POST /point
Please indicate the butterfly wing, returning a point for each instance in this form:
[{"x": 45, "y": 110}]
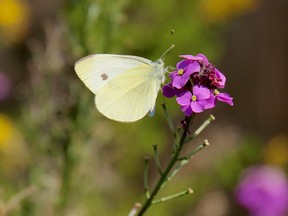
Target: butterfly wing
[
  {"x": 129, "y": 96},
  {"x": 97, "y": 70}
]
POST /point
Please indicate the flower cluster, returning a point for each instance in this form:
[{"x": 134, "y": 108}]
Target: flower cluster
[{"x": 194, "y": 83}]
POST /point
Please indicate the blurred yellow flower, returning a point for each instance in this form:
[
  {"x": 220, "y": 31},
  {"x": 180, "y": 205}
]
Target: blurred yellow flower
[
  {"x": 13, "y": 153},
  {"x": 223, "y": 10},
  {"x": 14, "y": 19},
  {"x": 276, "y": 151},
  {"x": 6, "y": 130}
]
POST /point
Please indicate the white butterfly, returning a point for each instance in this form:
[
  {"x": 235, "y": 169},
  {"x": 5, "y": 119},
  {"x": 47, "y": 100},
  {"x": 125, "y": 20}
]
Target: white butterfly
[{"x": 125, "y": 86}]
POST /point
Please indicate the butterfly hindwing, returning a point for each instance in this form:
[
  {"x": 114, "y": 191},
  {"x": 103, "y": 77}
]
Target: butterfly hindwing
[{"x": 129, "y": 96}]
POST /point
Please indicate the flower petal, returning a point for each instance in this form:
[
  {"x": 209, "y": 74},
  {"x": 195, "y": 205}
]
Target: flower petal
[
  {"x": 189, "y": 57},
  {"x": 202, "y": 59},
  {"x": 173, "y": 74},
  {"x": 197, "y": 107},
  {"x": 211, "y": 102},
  {"x": 220, "y": 75},
  {"x": 182, "y": 64},
  {"x": 226, "y": 98},
  {"x": 201, "y": 92},
  {"x": 193, "y": 67},
  {"x": 184, "y": 99},
  {"x": 187, "y": 110},
  {"x": 168, "y": 91},
  {"x": 178, "y": 82}
]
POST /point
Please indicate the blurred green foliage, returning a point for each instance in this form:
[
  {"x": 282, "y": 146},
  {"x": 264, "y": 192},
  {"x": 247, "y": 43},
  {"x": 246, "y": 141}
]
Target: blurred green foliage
[
  {"x": 141, "y": 27},
  {"x": 84, "y": 164}
]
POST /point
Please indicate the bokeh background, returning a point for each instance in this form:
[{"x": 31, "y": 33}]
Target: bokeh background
[{"x": 59, "y": 156}]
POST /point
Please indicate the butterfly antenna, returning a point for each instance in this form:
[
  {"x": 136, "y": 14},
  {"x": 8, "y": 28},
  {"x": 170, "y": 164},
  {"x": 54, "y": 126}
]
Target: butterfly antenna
[{"x": 168, "y": 50}]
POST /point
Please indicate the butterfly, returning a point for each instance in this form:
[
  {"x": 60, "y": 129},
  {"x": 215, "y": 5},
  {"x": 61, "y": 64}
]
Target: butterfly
[{"x": 125, "y": 86}]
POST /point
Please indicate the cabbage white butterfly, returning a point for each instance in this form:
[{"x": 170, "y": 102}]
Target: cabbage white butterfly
[{"x": 125, "y": 86}]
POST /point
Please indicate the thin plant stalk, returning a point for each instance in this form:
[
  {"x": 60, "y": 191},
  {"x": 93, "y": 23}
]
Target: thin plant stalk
[{"x": 169, "y": 167}]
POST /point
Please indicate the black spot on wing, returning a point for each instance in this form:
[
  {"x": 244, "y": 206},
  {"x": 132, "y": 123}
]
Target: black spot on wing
[{"x": 104, "y": 76}]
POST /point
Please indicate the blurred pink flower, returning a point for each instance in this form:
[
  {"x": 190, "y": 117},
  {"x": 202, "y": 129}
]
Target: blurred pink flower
[{"x": 263, "y": 190}]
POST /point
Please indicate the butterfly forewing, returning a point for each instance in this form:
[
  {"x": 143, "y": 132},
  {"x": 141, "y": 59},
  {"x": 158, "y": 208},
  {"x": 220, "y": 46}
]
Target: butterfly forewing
[{"x": 97, "y": 70}]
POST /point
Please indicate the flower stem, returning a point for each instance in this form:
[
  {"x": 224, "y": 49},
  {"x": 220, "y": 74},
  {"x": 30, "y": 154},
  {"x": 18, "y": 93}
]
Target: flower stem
[
  {"x": 156, "y": 158},
  {"x": 191, "y": 154},
  {"x": 183, "y": 161},
  {"x": 146, "y": 169},
  {"x": 164, "y": 199},
  {"x": 166, "y": 172},
  {"x": 68, "y": 165},
  {"x": 168, "y": 118},
  {"x": 201, "y": 128}
]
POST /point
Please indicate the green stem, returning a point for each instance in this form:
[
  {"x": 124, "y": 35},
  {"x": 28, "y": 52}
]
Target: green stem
[
  {"x": 168, "y": 118},
  {"x": 146, "y": 169},
  {"x": 156, "y": 158},
  {"x": 173, "y": 173},
  {"x": 183, "y": 161},
  {"x": 191, "y": 154},
  {"x": 166, "y": 172},
  {"x": 201, "y": 128},
  {"x": 164, "y": 199},
  {"x": 68, "y": 164}
]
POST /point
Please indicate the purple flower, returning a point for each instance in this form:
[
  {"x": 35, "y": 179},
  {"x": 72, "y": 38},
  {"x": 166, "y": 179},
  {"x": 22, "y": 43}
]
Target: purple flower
[
  {"x": 183, "y": 71},
  {"x": 208, "y": 75},
  {"x": 200, "y": 58},
  {"x": 169, "y": 91},
  {"x": 263, "y": 190},
  {"x": 196, "y": 102},
  {"x": 216, "y": 95},
  {"x": 5, "y": 87},
  {"x": 217, "y": 78},
  {"x": 224, "y": 97}
]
